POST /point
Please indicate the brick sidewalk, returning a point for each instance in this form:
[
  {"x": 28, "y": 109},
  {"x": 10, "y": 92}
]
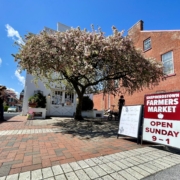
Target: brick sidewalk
[
  {"x": 18, "y": 122},
  {"x": 27, "y": 152}
]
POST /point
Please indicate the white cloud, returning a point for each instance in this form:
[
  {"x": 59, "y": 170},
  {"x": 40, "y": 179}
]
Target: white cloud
[
  {"x": 17, "y": 93},
  {"x": 14, "y": 34},
  {"x": 20, "y": 78},
  {"x": 0, "y": 61}
]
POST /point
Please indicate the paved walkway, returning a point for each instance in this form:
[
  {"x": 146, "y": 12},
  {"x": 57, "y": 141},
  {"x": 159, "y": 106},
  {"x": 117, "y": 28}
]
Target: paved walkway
[
  {"x": 29, "y": 131},
  {"x": 39, "y": 150},
  {"x": 128, "y": 165}
]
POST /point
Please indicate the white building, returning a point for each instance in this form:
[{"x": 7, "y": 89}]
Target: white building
[{"x": 59, "y": 102}]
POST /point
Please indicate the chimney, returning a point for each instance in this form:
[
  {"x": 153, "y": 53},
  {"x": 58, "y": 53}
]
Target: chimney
[{"x": 134, "y": 31}]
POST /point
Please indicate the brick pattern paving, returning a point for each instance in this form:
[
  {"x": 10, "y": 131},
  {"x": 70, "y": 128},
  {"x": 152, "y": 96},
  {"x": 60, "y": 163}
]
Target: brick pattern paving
[
  {"x": 26, "y": 148},
  {"x": 19, "y": 122},
  {"x": 29, "y": 131},
  {"x": 43, "y": 152},
  {"x": 128, "y": 165}
]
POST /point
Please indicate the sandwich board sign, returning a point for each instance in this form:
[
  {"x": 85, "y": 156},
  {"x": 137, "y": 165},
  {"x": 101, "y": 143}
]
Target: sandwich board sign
[
  {"x": 130, "y": 120},
  {"x": 162, "y": 119}
]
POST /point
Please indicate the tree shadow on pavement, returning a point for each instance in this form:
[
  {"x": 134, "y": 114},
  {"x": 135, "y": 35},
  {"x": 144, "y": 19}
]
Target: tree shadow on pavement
[{"x": 88, "y": 128}]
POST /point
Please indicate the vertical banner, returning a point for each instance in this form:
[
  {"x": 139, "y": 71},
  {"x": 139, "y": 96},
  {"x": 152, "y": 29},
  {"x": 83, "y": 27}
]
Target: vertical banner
[
  {"x": 129, "y": 121},
  {"x": 162, "y": 119}
]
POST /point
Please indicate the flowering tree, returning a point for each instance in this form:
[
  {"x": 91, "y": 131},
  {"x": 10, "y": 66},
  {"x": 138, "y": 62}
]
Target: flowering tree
[{"x": 88, "y": 62}]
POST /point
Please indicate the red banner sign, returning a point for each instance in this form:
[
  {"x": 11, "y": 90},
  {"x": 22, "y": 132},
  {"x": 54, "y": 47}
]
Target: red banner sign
[{"x": 162, "y": 118}]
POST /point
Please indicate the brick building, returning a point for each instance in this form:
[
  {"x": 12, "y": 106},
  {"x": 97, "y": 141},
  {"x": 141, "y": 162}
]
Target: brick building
[
  {"x": 10, "y": 98},
  {"x": 164, "y": 46}
]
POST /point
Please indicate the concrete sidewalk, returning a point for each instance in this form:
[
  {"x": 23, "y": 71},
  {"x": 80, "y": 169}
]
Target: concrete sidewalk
[{"x": 40, "y": 150}]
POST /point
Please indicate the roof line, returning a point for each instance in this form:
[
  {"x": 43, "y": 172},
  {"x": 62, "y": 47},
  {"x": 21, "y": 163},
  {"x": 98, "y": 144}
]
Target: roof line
[
  {"x": 134, "y": 25},
  {"x": 160, "y": 30}
]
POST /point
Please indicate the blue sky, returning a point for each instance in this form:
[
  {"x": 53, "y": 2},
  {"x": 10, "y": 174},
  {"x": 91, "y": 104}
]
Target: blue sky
[{"x": 18, "y": 17}]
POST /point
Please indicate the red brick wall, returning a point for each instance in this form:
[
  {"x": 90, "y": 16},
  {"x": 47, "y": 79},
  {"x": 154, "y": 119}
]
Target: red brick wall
[
  {"x": 103, "y": 102},
  {"x": 161, "y": 42}
]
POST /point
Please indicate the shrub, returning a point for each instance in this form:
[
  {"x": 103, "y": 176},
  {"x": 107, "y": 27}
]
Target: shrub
[
  {"x": 39, "y": 99},
  {"x": 6, "y": 108},
  {"x": 87, "y": 103}
]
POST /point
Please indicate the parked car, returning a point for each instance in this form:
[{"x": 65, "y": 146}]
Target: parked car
[{"x": 12, "y": 109}]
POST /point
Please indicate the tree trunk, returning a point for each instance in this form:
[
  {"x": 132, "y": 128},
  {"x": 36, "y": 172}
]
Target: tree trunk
[
  {"x": 78, "y": 115},
  {"x": 80, "y": 92}
]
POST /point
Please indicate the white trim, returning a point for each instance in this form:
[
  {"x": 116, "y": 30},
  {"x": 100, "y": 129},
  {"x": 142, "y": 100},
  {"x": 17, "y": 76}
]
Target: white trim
[
  {"x": 172, "y": 60},
  {"x": 41, "y": 110},
  {"x": 160, "y": 30},
  {"x": 144, "y": 45}
]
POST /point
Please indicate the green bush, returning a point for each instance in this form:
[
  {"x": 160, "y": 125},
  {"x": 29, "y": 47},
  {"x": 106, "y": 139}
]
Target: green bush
[
  {"x": 87, "y": 103},
  {"x": 39, "y": 99},
  {"x": 6, "y": 108}
]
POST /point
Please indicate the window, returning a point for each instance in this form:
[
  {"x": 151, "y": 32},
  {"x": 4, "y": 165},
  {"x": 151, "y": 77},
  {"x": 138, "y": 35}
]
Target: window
[
  {"x": 116, "y": 83},
  {"x": 147, "y": 44},
  {"x": 168, "y": 64},
  {"x": 57, "y": 97},
  {"x": 69, "y": 98},
  {"x": 38, "y": 91}
]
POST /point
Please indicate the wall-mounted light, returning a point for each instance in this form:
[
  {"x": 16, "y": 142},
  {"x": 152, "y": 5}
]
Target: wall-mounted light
[
  {"x": 77, "y": 99},
  {"x": 49, "y": 95}
]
